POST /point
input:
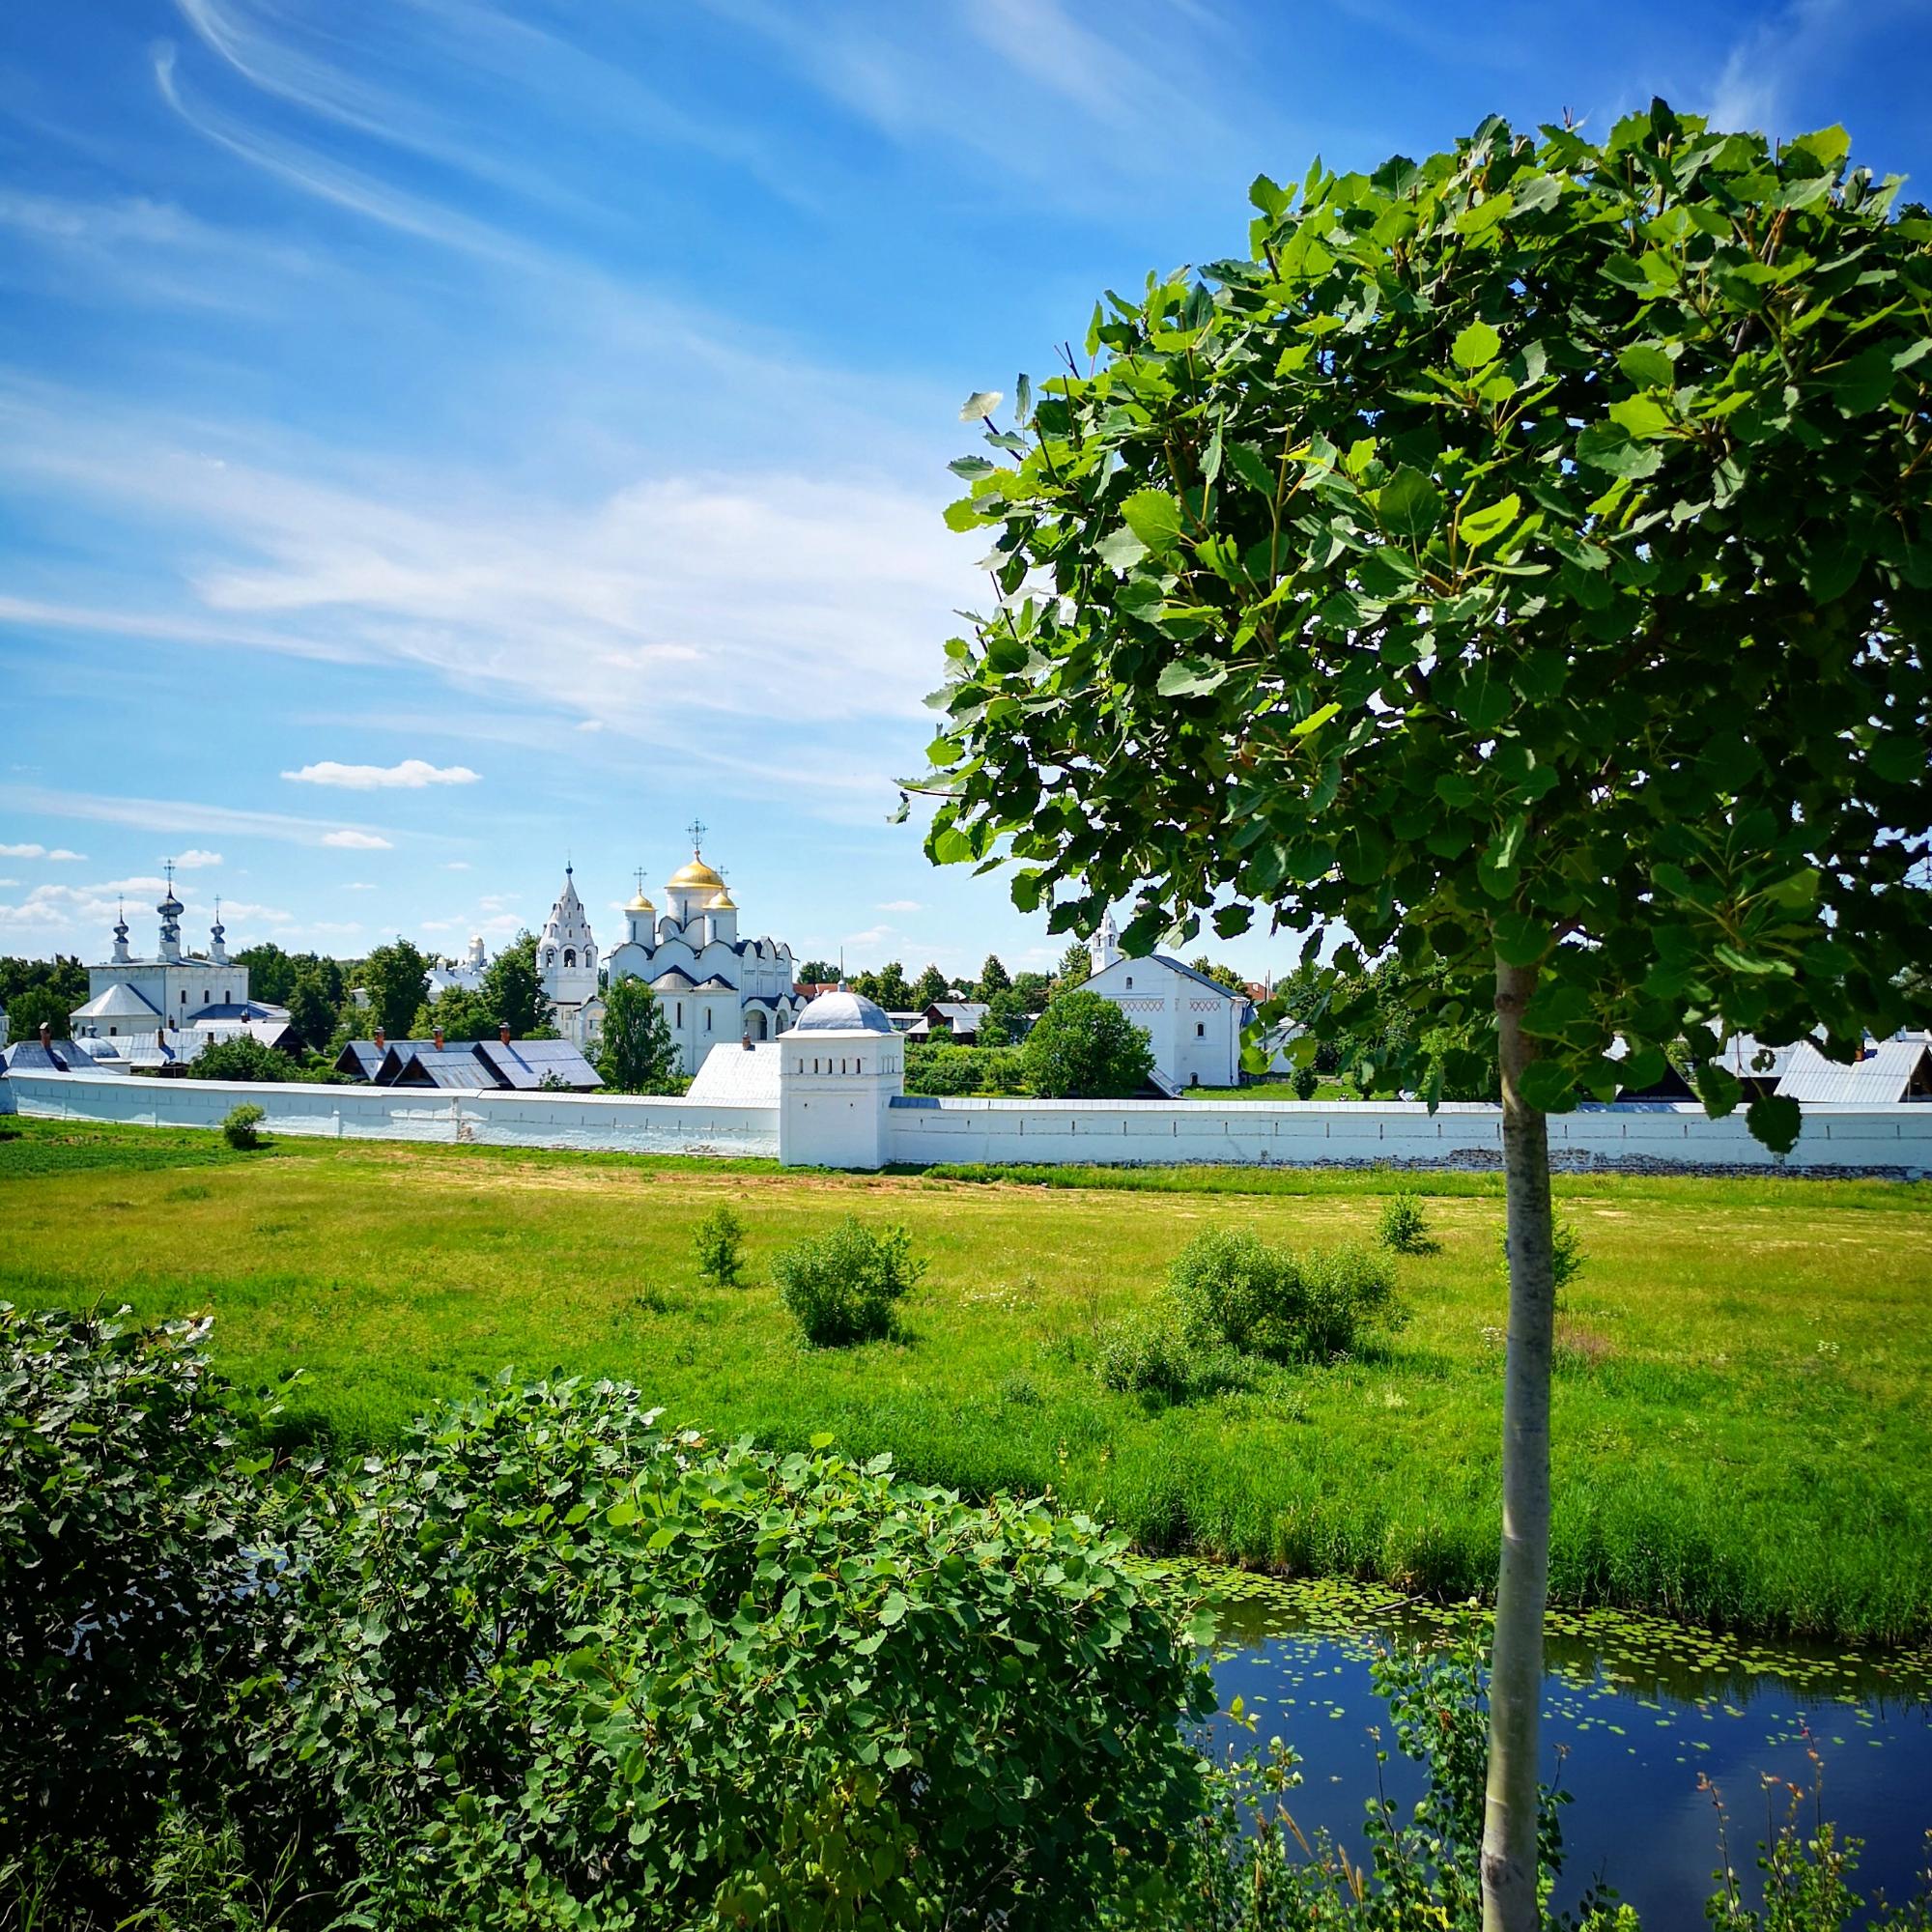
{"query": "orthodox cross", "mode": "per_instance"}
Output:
(698, 828)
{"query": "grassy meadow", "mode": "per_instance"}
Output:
(1743, 1429)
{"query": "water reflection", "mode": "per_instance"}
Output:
(1635, 1710)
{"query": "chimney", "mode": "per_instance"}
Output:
(503, 1032)
(381, 1044)
(748, 1040)
(46, 1035)
(438, 1040)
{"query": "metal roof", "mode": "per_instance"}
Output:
(730, 1073)
(119, 1001)
(1888, 1074)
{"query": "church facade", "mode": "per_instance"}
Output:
(173, 993)
(712, 985)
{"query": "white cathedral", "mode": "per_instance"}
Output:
(712, 986)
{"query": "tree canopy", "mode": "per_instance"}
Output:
(1085, 1048)
(635, 1051)
(1526, 551)
(394, 976)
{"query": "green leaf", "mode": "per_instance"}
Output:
(980, 403)
(1315, 720)
(1645, 364)
(966, 515)
(1609, 445)
(971, 467)
(1476, 528)
(1520, 938)
(1477, 346)
(1549, 1086)
(1643, 416)
(1189, 677)
(1121, 549)
(824, 1439)
(1775, 1119)
(1154, 517)
(622, 1515)
(1719, 1088)
(1408, 504)
(1251, 467)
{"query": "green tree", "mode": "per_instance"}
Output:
(395, 978)
(1521, 559)
(1007, 1014)
(1085, 1048)
(241, 1058)
(1222, 975)
(514, 994)
(993, 977)
(931, 985)
(886, 986)
(46, 1003)
(461, 1014)
(271, 973)
(637, 1054)
(312, 1012)
(1075, 968)
(815, 973)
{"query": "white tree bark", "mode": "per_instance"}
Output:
(1522, 1581)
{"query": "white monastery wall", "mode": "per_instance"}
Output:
(831, 1120)
(618, 1122)
(1315, 1133)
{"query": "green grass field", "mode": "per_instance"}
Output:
(1743, 1426)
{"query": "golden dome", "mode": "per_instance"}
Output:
(640, 904)
(689, 877)
(723, 902)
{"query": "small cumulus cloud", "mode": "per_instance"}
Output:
(357, 841)
(901, 905)
(194, 859)
(32, 851)
(410, 774)
(590, 724)
(457, 866)
(359, 886)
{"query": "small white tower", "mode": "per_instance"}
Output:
(478, 955)
(839, 1068)
(1104, 947)
(217, 939)
(641, 915)
(566, 952)
(170, 910)
(122, 956)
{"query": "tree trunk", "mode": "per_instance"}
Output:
(1522, 1581)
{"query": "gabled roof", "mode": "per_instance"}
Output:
(363, 1057)
(732, 1073)
(29, 1056)
(1891, 1071)
(528, 1062)
(673, 981)
(119, 1002)
(961, 1015)
(230, 1013)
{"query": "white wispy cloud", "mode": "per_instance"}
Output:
(357, 841)
(901, 905)
(410, 774)
(194, 860)
(161, 814)
(58, 854)
(457, 866)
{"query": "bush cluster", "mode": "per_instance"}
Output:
(950, 1070)
(242, 1127)
(555, 1666)
(846, 1286)
(1231, 1288)
(1404, 1226)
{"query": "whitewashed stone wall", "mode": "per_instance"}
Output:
(622, 1123)
(918, 1131)
(1358, 1133)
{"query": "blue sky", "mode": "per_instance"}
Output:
(437, 437)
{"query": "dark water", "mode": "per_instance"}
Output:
(1635, 1711)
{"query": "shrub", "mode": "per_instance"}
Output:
(1306, 1081)
(1233, 1289)
(242, 1127)
(1146, 1355)
(964, 1069)
(1566, 1254)
(845, 1287)
(125, 1500)
(717, 1245)
(241, 1058)
(1403, 1227)
(1084, 1047)
(701, 1685)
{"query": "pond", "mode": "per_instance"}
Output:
(1635, 1711)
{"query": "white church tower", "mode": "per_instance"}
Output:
(1104, 947)
(566, 952)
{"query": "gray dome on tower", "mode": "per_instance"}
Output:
(843, 1011)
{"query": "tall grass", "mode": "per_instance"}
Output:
(1743, 1429)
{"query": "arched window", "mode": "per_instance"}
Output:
(550, 957)
(707, 1019)
(1200, 1029)
(680, 1013)
(1130, 983)
(570, 956)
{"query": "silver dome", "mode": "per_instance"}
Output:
(841, 1012)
